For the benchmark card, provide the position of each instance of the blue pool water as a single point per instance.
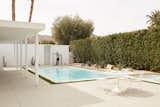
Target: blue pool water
(149, 77)
(70, 74)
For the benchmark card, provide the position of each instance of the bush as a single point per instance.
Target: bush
(88, 63)
(102, 64)
(82, 50)
(47, 42)
(138, 49)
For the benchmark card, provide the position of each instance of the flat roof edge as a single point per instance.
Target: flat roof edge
(18, 24)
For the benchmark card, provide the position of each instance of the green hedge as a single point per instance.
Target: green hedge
(82, 50)
(138, 49)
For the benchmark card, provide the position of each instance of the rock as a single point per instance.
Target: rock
(109, 66)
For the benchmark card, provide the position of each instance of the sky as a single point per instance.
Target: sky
(109, 16)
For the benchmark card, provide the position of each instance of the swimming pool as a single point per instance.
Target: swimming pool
(71, 74)
(154, 78)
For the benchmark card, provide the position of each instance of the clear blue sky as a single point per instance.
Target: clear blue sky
(109, 16)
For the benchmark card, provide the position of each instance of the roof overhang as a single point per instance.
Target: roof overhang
(15, 31)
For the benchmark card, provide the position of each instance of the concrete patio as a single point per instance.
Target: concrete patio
(18, 89)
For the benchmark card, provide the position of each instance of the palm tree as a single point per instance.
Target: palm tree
(13, 11)
(154, 18)
(31, 11)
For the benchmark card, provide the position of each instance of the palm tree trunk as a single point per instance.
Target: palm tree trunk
(13, 11)
(31, 11)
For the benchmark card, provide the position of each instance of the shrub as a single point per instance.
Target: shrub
(89, 63)
(82, 50)
(47, 42)
(120, 66)
(138, 49)
(102, 64)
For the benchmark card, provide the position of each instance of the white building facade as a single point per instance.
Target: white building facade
(47, 54)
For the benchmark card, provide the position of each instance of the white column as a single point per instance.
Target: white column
(26, 53)
(14, 48)
(36, 59)
(17, 55)
(21, 55)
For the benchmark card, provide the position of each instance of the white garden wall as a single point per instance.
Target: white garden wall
(46, 54)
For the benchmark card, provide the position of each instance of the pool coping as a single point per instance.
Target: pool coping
(130, 76)
(52, 81)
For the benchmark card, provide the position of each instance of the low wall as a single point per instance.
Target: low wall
(46, 53)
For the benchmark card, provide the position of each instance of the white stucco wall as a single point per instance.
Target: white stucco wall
(7, 50)
(62, 50)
